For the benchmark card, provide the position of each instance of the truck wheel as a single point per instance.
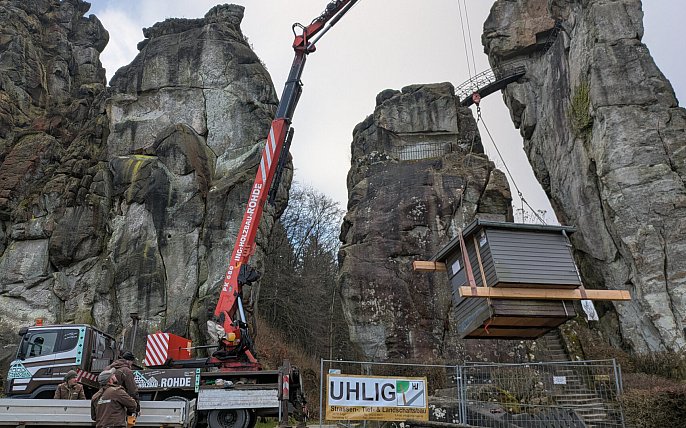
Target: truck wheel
(253, 420)
(235, 418)
(175, 398)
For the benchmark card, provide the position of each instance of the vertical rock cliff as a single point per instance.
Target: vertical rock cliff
(418, 173)
(128, 198)
(52, 130)
(606, 139)
(187, 122)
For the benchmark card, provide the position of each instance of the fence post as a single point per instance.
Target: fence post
(461, 395)
(618, 377)
(619, 384)
(321, 390)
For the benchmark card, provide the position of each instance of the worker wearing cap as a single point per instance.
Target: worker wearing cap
(125, 375)
(111, 404)
(69, 389)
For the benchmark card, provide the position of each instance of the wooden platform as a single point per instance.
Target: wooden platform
(509, 319)
(543, 294)
(428, 266)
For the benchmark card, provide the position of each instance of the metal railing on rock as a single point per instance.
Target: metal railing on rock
(427, 150)
(490, 81)
(497, 78)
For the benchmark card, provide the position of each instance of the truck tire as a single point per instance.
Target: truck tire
(225, 418)
(176, 398)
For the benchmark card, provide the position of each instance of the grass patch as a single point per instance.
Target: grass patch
(580, 111)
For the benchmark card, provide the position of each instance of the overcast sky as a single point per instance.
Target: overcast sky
(378, 45)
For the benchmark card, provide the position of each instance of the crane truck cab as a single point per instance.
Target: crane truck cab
(47, 353)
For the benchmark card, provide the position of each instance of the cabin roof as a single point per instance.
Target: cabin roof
(478, 224)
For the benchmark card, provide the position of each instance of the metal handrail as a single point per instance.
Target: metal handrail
(492, 76)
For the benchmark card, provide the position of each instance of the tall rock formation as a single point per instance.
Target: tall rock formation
(124, 199)
(187, 122)
(607, 141)
(51, 135)
(418, 174)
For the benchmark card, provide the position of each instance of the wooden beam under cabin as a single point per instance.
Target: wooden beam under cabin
(427, 266)
(543, 294)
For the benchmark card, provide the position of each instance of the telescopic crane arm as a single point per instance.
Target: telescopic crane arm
(229, 310)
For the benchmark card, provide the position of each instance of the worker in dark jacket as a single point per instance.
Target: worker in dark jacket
(111, 404)
(125, 375)
(70, 389)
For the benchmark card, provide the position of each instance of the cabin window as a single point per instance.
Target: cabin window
(104, 347)
(100, 346)
(68, 340)
(41, 343)
(456, 266)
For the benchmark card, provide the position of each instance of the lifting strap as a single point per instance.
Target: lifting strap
(467, 35)
(478, 258)
(467, 263)
(582, 289)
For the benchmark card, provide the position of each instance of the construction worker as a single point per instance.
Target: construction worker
(111, 404)
(125, 375)
(69, 389)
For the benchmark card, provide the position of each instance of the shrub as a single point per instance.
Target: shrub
(656, 407)
(647, 382)
(594, 347)
(667, 364)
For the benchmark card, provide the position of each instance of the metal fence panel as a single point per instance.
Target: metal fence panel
(560, 394)
(442, 384)
(581, 394)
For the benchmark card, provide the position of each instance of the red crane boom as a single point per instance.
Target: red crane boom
(236, 343)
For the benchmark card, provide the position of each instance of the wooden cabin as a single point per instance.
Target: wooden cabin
(510, 255)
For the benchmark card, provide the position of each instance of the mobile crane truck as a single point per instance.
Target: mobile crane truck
(229, 389)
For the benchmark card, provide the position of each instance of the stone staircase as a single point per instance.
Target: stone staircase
(553, 347)
(574, 393)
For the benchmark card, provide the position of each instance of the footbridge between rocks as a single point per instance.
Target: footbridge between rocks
(497, 78)
(489, 81)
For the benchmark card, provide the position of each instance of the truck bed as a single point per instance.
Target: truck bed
(14, 412)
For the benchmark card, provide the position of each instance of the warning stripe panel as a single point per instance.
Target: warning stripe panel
(82, 375)
(160, 343)
(152, 353)
(156, 349)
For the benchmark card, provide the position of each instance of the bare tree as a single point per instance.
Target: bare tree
(312, 218)
(298, 292)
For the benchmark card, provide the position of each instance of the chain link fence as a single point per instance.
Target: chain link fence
(583, 394)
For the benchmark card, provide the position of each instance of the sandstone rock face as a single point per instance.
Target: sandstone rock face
(52, 89)
(124, 199)
(187, 126)
(606, 139)
(418, 174)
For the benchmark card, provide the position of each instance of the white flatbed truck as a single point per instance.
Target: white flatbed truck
(77, 413)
